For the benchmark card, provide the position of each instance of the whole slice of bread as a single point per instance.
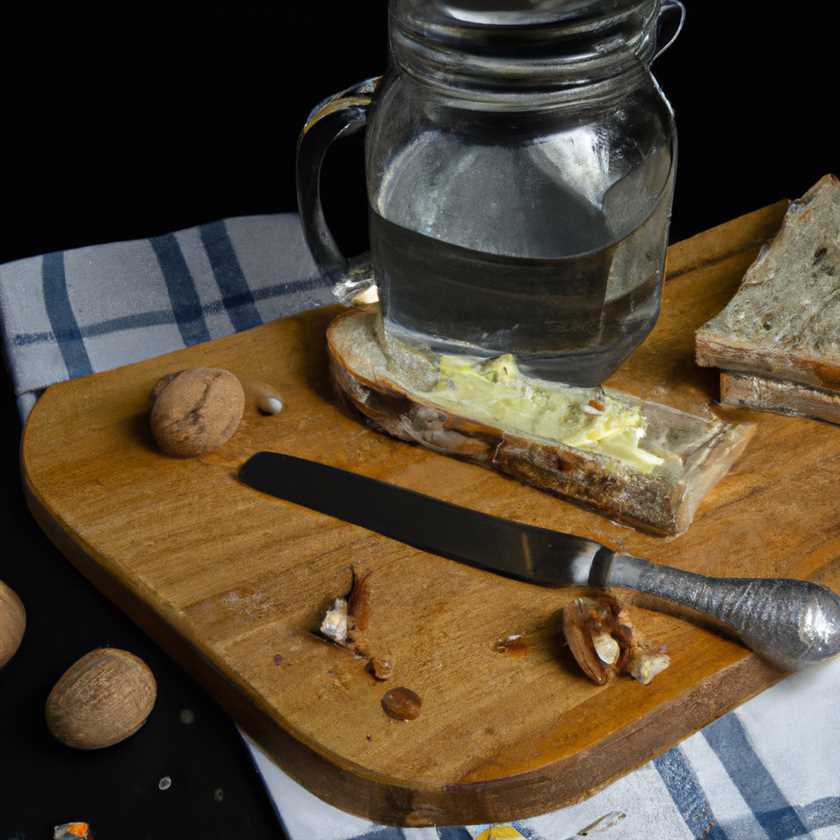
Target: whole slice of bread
(784, 321)
(394, 392)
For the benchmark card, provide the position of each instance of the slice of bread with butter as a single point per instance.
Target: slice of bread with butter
(635, 461)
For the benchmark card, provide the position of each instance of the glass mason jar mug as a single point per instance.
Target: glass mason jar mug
(520, 162)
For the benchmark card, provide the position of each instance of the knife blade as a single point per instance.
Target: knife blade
(508, 548)
(792, 623)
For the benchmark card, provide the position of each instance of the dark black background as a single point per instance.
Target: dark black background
(126, 120)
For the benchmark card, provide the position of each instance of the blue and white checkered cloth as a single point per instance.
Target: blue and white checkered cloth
(769, 770)
(77, 312)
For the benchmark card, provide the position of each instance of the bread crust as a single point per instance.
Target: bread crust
(764, 394)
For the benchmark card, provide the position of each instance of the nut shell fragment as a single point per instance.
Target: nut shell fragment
(345, 623)
(645, 666)
(576, 626)
(358, 601)
(514, 644)
(382, 667)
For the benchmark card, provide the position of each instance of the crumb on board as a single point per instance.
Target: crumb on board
(382, 667)
(368, 295)
(270, 404)
(515, 644)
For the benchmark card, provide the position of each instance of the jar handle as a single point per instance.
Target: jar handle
(337, 116)
(668, 8)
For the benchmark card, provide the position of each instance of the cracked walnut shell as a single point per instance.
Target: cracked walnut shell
(604, 642)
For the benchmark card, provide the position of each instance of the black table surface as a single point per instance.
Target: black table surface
(131, 121)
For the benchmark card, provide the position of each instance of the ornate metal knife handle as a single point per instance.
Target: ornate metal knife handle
(792, 623)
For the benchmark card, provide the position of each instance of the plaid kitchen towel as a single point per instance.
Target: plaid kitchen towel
(76, 312)
(769, 770)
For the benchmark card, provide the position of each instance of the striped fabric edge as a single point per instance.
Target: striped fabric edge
(180, 285)
(62, 319)
(768, 807)
(729, 740)
(688, 796)
(237, 298)
(187, 312)
(158, 317)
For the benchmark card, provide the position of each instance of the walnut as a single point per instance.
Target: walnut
(196, 410)
(604, 642)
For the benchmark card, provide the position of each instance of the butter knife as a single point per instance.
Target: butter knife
(792, 623)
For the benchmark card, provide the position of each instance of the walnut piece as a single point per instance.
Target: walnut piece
(346, 621)
(645, 666)
(334, 623)
(382, 667)
(577, 625)
(604, 642)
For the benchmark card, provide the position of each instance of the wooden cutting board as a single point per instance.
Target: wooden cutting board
(233, 583)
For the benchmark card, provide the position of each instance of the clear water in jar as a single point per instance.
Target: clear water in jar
(493, 255)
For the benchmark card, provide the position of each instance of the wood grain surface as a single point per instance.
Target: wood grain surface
(233, 583)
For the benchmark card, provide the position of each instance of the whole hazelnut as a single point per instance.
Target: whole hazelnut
(196, 410)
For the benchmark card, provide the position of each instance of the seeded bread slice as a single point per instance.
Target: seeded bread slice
(393, 393)
(784, 321)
